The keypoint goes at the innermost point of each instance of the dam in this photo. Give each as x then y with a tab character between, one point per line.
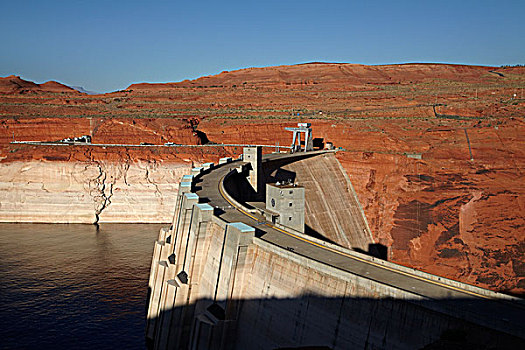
230	274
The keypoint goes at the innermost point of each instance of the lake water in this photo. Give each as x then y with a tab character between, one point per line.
73	287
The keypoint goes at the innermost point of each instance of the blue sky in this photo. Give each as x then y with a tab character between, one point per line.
107	45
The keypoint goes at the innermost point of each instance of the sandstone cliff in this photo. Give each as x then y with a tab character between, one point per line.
456	212
88	192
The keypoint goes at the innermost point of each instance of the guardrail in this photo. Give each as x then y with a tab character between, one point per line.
44	143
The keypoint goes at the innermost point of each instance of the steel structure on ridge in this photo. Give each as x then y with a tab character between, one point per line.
308	140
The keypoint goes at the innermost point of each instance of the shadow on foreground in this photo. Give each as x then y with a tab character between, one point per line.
315	322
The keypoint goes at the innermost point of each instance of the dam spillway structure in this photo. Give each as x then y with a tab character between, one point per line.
228	275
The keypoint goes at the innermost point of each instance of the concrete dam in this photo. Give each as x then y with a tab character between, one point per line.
274	252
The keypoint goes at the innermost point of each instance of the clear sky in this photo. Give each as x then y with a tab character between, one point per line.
107	45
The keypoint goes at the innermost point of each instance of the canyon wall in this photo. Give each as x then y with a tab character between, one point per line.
435	152
434	207
88	192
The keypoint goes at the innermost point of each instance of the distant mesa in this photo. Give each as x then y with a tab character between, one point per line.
15	85
53	86
324	73
84	91
330	73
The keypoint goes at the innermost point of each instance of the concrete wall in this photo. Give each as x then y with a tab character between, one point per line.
240	292
332	207
209	254
293	301
87	192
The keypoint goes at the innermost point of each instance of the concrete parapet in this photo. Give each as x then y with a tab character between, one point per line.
185	187
156	280
207	166
187	178
225	160
205	211
190	199
191	239
221	282
196	171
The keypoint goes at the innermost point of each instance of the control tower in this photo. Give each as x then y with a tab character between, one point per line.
302	128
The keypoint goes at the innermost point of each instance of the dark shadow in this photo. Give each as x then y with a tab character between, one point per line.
281	175
259	233
311	321
195	184
270	165
203	138
238	186
318	142
306	348
147	300
378	250
313	233
217	211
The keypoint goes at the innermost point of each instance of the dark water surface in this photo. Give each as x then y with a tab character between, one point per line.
71	286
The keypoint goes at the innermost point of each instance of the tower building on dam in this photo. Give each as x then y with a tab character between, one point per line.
269	252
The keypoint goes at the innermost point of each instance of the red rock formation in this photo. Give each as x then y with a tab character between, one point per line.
14	84
443	213
329	73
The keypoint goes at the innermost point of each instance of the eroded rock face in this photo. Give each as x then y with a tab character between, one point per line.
444	213
89	192
406	131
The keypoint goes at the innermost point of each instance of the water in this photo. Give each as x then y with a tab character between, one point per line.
73	287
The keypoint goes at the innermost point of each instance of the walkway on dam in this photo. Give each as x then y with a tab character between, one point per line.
507	314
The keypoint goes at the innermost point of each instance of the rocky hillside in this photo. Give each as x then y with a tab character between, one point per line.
16	85
435	152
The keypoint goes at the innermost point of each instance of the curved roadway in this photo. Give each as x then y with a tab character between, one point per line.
500	314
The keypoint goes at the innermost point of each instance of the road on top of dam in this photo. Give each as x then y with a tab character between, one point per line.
503	314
